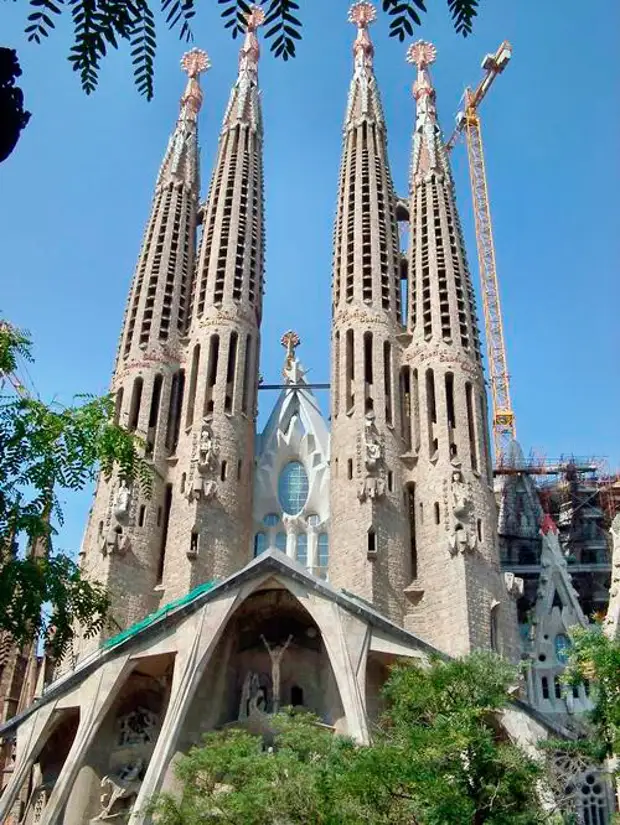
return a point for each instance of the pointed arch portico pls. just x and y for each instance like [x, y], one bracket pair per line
[347, 632]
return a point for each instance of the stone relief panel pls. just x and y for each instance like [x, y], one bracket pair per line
[370, 460]
[461, 526]
[202, 486]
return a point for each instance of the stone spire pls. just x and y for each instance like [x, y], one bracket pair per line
[125, 532]
[556, 610]
[158, 303]
[230, 265]
[367, 554]
[458, 596]
[211, 507]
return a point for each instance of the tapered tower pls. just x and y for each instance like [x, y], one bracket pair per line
[458, 599]
[126, 531]
[211, 506]
[368, 553]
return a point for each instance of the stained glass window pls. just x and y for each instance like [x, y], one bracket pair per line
[271, 519]
[323, 551]
[302, 548]
[260, 544]
[281, 541]
[562, 646]
[293, 487]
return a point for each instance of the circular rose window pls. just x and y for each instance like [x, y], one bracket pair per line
[293, 487]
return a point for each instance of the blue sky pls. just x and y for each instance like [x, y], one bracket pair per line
[77, 190]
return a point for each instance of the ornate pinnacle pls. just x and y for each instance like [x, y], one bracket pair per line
[292, 372]
[362, 14]
[194, 63]
[290, 341]
[255, 18]
[250, 51]
[422, 54]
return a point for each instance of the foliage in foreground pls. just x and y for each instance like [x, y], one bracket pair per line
[99, 25]
[436, 758]
[44, 450]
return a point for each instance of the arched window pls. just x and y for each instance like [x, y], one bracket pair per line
[302, 548]
[293, 487]
[323, 552]
[271, 519]
[281, 541]
[260, 544]
[562, 647]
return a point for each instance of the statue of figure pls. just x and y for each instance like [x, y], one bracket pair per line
[206, 448]
[122, 501]
[275, 654]
[110, 543]
[121, 786]
[460, 502]
[371, 442]
[461, 540]
[253, 699]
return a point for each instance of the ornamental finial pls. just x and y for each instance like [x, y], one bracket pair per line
[250, 51]
[255, 18]
[290, 341]
[193, 63]
[421, 54]
[362, 14]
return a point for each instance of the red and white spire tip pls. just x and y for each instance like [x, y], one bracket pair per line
[250, 51]
[362, 14]
[193, 63]
[422, 54]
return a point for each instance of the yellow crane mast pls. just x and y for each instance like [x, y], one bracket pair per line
[468, 121]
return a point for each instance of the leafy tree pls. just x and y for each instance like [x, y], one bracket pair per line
[438, 756]
[12, 115]
[45, 449]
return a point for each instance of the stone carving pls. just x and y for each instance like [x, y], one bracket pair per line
[116, 542]
[514, 585]
[206, 448]
[371, 488]
[276, 652]
[121, 787]
[372, 444]
[139, 727]
[122, 502]
[462, 536]
[202, 487]
[253, 697]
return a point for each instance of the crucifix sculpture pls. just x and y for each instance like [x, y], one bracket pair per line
[276, 652]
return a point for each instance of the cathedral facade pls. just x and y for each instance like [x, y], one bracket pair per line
[292, 566]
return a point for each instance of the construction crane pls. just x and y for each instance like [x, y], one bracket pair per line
[468, 121]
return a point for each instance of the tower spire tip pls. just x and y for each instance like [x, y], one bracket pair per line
[195, 62]
[421, 54]
[362, 14]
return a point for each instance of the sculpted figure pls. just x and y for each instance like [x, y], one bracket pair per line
[206, 448]
[460, 502]
[122, 501]
[371, 442]
[275, 654]
[121, 786]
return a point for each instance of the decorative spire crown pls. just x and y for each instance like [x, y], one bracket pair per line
[362, 14]
[193, 63]
[250, 51]
[422, 55]
[292, 371]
